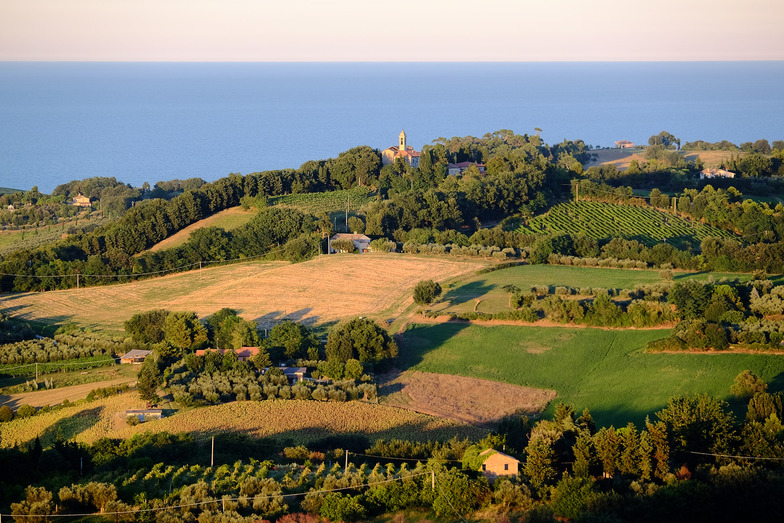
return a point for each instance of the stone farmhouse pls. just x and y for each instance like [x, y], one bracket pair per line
[498, 464]
[81, 200]
[716, 173]
[455, 169]
[360, 241]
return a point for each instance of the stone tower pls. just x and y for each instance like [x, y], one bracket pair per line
[402, 145]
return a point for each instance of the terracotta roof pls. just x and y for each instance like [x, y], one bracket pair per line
[347, 236]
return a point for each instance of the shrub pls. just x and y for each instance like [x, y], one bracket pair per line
[6, 414]
[746, 385]
[426, 291]
[25, 411]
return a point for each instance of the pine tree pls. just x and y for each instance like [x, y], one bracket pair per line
[584, 455]
[540, 465]
[645, 452]
[661, 447]
[608, 449]
[629, 454]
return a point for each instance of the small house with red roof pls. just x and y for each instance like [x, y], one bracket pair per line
[243, 354]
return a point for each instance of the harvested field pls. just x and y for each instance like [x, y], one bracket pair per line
[320, 291]
[56, 396]
[301, 421]
[227, 219]
[470, 400]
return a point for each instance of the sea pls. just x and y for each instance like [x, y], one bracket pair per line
[147, 122]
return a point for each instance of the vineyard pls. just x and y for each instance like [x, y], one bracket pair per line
[605, 220]
[325, 202]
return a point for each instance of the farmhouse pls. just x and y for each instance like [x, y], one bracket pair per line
[716, 173]
[624, 144]
[406, 152]
[455, 169]
[294, 374]
[360, 241]
[243, 354]
[144, 414]
[81, 200]
[498, 464]
[136, 356]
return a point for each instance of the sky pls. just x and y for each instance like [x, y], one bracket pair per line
[399, 31]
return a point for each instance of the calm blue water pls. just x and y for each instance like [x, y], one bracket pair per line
[151, 122]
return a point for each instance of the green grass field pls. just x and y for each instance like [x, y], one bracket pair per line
[461, 296]
[603, 370]
[604, 220]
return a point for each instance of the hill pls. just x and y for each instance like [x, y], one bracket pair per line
[319, 291]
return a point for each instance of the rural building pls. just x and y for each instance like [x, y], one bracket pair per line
[360, 241]
[406, 152]
[624, 144]
[294, 374]
[716, 173]
[498, 464]
[455, 169]
[136, 356]
[81, 200]
[144, 414]
[243, 354]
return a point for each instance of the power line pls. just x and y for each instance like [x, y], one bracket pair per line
[729, 455]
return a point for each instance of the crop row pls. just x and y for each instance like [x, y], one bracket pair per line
[602, 220]
[316, 203]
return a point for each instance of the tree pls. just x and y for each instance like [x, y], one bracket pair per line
[746, 385]
[147, 327]
[360, 339]
[149, 380]
[183, 330]
[295, 339]
[426, 291]
[540, 465]
[356, 225]
[699, 423]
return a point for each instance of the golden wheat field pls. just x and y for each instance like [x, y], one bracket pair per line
[322, 290]
[300, 420]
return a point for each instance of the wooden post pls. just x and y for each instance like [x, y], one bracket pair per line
[345, 470]
[212, 453]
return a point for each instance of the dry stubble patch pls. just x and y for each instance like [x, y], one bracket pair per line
[470, 400]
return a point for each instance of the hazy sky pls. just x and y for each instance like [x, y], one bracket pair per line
[404, 30]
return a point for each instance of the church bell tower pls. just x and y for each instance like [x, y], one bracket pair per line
[402, 144]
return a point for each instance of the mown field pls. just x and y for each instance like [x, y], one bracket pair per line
[605, 220]
[604, 370]
[462, 295]
[318, 292]
[298, 420]
[228, 219]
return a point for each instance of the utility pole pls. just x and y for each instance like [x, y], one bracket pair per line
[577, 187]
[77, 280]
[348, 204]
[674, 204]
[212, 454]
[433, 479]
[36, 371]
[345, 470]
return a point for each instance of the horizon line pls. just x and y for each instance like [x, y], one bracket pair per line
[722, 60]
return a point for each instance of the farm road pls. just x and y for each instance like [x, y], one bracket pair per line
[56, 396]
